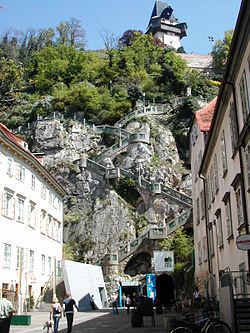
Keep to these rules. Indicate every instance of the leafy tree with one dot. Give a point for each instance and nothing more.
(181, 244)
(128, 36)
(11, 81)
(71, 33)
(220, 53)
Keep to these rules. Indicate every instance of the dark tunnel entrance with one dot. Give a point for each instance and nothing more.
(165, 290)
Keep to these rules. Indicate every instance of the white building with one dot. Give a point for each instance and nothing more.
(31, 219)
(221, 183)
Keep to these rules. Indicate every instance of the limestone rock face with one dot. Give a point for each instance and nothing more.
(97, 219)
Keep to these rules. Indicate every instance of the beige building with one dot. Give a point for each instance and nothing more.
(220, 158)
(31, 221)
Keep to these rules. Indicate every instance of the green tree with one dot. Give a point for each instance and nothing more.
(220, 53)
(11, 81)
(180, 243)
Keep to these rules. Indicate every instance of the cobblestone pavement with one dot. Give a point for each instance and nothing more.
(99, 321)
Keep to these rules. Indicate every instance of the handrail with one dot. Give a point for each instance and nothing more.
(171, 193)
(47, 285)
(153, 233)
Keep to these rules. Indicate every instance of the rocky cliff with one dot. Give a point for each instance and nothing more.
(102, 213)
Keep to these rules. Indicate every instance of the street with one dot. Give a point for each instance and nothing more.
(102, 321)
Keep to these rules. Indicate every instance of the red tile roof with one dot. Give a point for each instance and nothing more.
(204, 116)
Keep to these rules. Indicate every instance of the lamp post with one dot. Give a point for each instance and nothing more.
(144, 98)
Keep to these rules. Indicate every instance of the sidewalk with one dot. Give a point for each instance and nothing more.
(39, 318)
(99, 321)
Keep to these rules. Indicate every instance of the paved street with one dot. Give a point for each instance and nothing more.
(102, 321)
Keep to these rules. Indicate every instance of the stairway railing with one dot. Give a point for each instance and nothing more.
(154, 233)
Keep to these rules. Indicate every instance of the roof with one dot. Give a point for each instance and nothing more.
(17, 144)
(204, 116)
(162, 9)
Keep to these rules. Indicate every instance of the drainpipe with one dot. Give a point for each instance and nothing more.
(207, 235)
(241, 169)
(206, 220)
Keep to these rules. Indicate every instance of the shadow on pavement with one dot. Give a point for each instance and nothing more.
(106, 322)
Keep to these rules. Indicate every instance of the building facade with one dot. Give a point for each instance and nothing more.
(31, 220)
(165, 27)
(221, 177)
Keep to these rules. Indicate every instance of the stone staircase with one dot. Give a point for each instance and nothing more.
(154, 233)
(172, 194)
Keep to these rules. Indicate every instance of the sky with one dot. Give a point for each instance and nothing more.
(203, 17)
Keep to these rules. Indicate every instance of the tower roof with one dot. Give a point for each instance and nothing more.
(163, 10)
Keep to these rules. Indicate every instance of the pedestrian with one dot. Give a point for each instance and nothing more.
(6, 311)
(68, 310)
(128, 303)
(114, 304)
(55, 314)
(92, 302)
(196, 297)
(123, 300)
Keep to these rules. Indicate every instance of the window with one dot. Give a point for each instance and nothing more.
(212, 182)
(32, 260)
(32, 214)
(208, 192)
(238, 193)
(233, 127)
(223, 153)
(43, 218)
(21, 252)
(219, 229)
(49, 265)
(50, 197)
(229, 225)
(8, 205)
(33, 182)
(216, 176)
(59, 269)
(49, 226)
(20, 209)
(247, 155)
(20, 172)
(43, 191)
(43, 264)
(204, 248)
(6, 255)
(10, 166)
(210, 240)
(244, 96)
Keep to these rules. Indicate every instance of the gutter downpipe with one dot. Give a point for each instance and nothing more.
(239, 146)
(206, 220)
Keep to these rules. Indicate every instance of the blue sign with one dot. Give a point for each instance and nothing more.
(151, 286)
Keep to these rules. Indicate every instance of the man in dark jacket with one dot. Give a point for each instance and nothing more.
(68, 310)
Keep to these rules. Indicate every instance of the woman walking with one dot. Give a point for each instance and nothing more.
(56, 313)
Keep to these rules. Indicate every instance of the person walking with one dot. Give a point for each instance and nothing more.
(128, 303)
(6, 311)
(114, 304)
(68, 310)
(123, 300)
(56, 313)
(92, 302)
